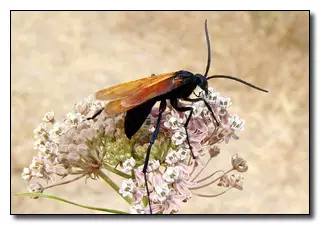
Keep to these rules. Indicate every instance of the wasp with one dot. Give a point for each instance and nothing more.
(136, 99)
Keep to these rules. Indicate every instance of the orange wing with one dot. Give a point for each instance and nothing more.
(145, 94)
(130, 88)
(149, 92)
(115, 107)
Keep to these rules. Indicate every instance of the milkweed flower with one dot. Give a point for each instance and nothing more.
(81, 147)
(128, 165)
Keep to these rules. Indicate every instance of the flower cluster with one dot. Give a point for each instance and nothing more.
(85, 147)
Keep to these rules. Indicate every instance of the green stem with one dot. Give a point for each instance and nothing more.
(118, 172)
(113, 185)
(30, 194)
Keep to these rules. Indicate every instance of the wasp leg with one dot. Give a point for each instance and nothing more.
(174, 103)
(96, 114)
(162, 108)
(207, 105)
(196, 94)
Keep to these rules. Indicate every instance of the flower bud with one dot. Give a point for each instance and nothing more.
(239, 163)
(82, 108)
(236, 181)
(26, 174)
(61, 170)
(224, 181)
(48, 117)
(153, 165)
(35, 188)
(214, 151)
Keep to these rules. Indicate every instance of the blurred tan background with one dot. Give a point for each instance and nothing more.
(59, 58)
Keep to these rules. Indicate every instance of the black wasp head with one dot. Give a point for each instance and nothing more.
(202, 82)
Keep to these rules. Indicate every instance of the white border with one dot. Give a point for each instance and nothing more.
(121, 4)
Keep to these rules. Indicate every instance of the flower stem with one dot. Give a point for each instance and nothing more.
(205, 185)
(218, 171)
(118, 172)
(212, 196)
(65, 182)
(113, 185)
(195, 177)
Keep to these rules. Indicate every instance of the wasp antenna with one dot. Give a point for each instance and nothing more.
(237, 79)
(209, 50)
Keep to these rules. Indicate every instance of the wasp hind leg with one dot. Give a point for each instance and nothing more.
(162, 108)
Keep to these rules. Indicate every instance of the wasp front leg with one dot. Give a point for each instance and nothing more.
(207, 105)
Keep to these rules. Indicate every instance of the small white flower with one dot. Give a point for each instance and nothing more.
(138, 209)
(57, 130)
(179, 137)
(172, 174)
(40, 130)
(224, 102)
(48, 117)
(173, 122)
(153, 165)
(183, 153)
(38, 143)
(46, 148)
(37, 164)
(26, 174)
(128, 165)
(172, 157)
(162, 192)
(198, 108)
(236, 123)
(74, 118)
(96, 105)
(212, 96)
(127, 188)
(151, 128)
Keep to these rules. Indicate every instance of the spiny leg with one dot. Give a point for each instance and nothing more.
(207, 105)
(162, 108)
(174, 103)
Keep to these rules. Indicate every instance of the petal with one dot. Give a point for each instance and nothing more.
(195, 146)
(200, 125)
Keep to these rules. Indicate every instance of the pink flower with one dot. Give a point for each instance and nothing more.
(128, 165)
(139, 177)
(195, 141)
(139, 209)
(153, 165)
(170, 204)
